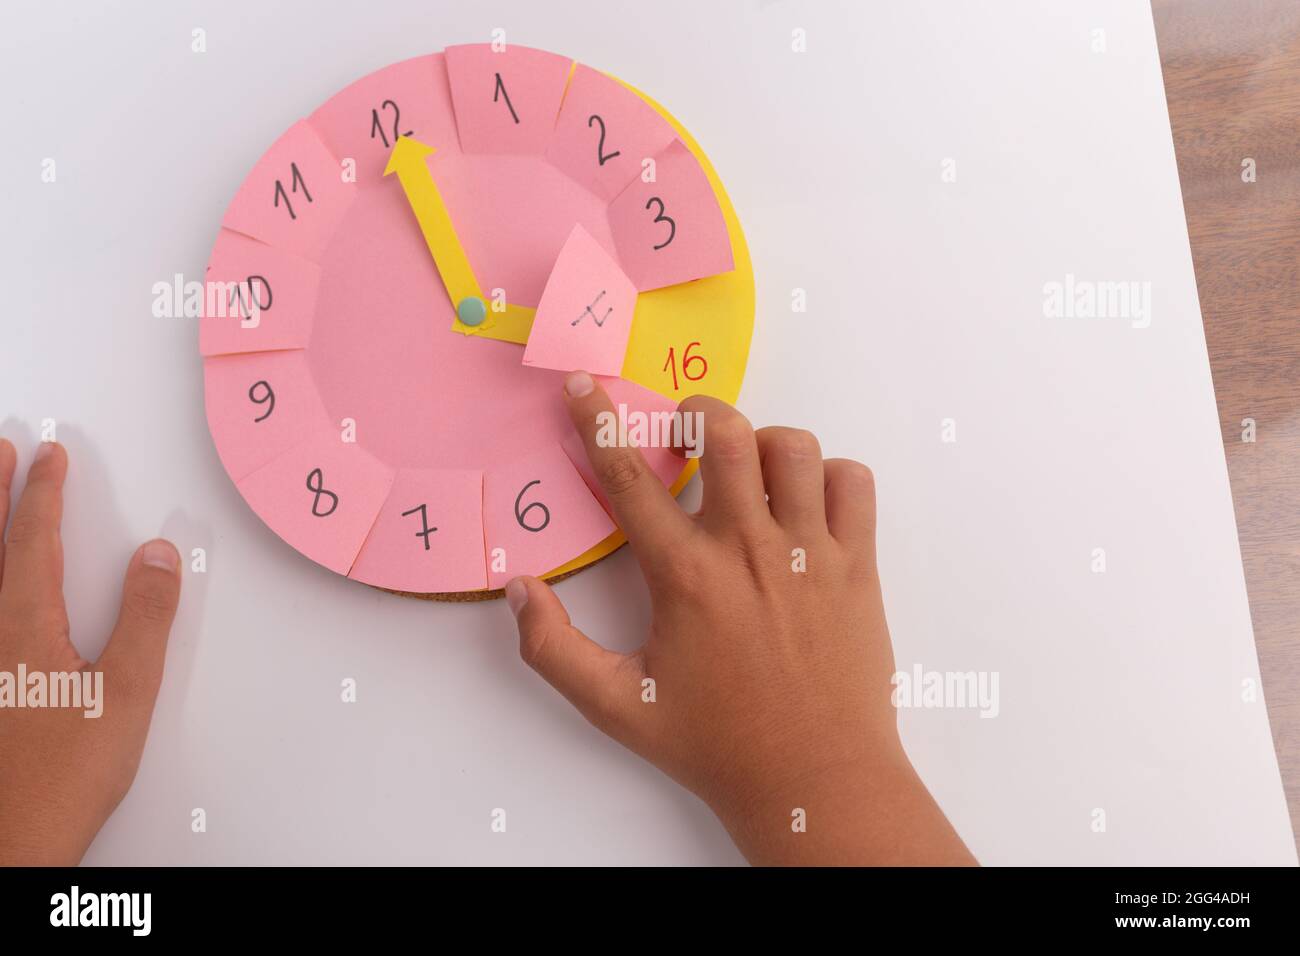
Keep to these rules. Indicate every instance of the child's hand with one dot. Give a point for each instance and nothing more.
(62, 773)
(771, 685)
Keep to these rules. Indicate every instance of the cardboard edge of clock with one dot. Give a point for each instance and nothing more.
(470, 597)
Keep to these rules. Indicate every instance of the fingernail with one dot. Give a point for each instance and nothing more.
(44, 450)
(578, 384)
(516, 595)
(160, 554)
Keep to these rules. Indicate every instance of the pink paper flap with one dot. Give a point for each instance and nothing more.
(670, 230)
(259, 405)
(505, 102)
(321, 497)
(410, 98)
(539, 513)
(605, 132)
(585, 314)
(295, 196)
(655, 449)
(428, 536)
(257, 298)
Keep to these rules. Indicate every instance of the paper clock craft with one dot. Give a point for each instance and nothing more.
(405, 276)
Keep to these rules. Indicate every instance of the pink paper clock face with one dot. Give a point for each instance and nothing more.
(372, 430)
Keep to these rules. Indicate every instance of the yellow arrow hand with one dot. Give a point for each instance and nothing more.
(409, 159)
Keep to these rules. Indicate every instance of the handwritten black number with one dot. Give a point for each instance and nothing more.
(377, 128)
(425, 530)
(601, 156)
(237, 295)
(589, 311)
(660, 217)
(267, 398)
(500, 91)
(295, 180)
(519, 515)
(319, 489)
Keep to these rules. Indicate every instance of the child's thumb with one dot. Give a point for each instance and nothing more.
(600, 683)
(133, 660)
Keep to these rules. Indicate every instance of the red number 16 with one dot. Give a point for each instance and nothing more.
(687, 359)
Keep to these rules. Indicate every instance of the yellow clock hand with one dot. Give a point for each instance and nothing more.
(409, 159)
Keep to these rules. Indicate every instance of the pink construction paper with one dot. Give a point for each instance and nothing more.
(285, 217)
(585, 314)
(397, 555)
(632, 131)
(382, 351)
(513, 215)
(515, 115)
(243, 272)
(677, 212)
(575, 523)
(411, 98)
(275, 387)
(321, 496)
(666, 466)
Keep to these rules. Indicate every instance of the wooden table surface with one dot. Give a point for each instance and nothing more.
(1232, 78)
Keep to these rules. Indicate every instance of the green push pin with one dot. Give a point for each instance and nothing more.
(471, 310)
